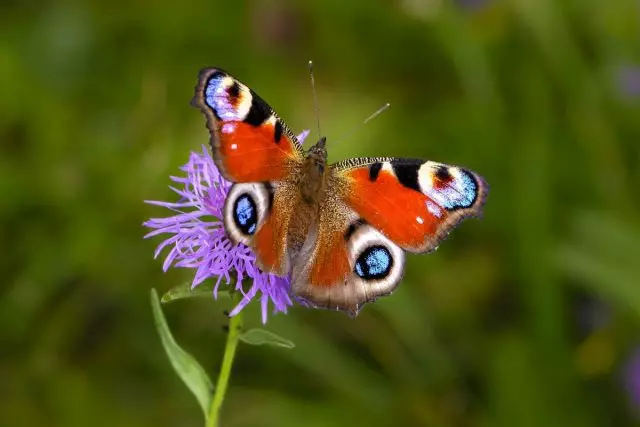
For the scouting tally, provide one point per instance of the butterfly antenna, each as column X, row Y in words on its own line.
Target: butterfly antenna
column 315, row 98
column 377, row 112
column 367, row 120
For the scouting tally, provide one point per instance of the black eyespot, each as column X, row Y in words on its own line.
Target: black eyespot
column 234, row 90
column 443, row 174
column 374, row 262
column 245, row 214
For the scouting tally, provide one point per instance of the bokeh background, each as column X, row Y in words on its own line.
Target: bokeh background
column 528, row 317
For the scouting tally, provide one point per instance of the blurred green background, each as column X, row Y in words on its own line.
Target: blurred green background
column 526, row 318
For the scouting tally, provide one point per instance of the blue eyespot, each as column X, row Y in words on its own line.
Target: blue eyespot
column 223, row 98
column 453, row 192
column 374, row 263
column 245, row 214
column 467, row 192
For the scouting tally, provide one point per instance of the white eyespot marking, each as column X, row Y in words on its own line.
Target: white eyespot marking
column 419, row 220
column 234, row 146
column 244, row 211
column 434, row 209
column 377, row 262
column 229, row 99
column 271, row 120
column 228, row 128
column 386, row 166
column 449, row 186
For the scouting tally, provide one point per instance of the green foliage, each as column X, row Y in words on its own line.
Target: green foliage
column 187, row 368
column 184, row 290
column 496, row 328
column 258, row 336
column 603, row 254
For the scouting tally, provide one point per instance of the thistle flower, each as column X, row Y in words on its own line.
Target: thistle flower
column 197, row 238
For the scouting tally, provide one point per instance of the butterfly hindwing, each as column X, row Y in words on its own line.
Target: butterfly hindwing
column 259, row 215
column 415, row 203
column 250, row 143
column 345, row 262
column 373, row 209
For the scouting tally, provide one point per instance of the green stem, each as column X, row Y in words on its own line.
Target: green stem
column 235, row 328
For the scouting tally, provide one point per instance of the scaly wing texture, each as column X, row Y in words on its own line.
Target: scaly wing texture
column 414, row 203
column 373, row 209
column 250, row 143
column 254, row 148
column 344, row 262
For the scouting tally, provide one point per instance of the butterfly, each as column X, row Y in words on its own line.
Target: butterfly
column 339, row 231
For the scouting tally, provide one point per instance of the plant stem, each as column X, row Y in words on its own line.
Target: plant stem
column 235, row 328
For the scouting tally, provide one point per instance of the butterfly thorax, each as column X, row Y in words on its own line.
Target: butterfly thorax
column 313, row 180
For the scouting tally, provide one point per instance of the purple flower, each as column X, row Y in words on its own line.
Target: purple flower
column 628, row 79
column 198, row 240
column 632, row 378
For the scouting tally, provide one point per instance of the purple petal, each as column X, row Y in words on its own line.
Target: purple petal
column 197, row 239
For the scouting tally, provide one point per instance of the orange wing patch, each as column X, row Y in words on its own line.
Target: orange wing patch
column 331, row 262
column 414, row 203
column 269, row 245
column 249, row 141
column 400, row 213
column 250, row 153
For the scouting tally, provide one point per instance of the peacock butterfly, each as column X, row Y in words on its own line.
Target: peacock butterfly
column 338, row 230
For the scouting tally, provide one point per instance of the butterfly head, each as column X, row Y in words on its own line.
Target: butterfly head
column 317, row 155
column 319, row 148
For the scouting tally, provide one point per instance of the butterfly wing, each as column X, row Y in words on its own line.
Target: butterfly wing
column 250, row 143
column 415, row 203
column 374, row 208
column 344, row 261
column 261, row 215
column 254, row 148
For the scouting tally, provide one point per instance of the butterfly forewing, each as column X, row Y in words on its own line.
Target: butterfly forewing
column 250, row 143
column 415, row 203
column 254, row 148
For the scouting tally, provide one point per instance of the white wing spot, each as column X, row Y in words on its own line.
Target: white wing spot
column 434, row 209
column 228, row 128
column 420, row 220
column 386, row 166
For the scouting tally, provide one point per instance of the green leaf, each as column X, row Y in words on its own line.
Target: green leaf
column 602, row 255
column 185, row 365
column 263, row 337
column 184, row 290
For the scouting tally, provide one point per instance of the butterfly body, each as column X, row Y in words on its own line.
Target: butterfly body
column 339, row 231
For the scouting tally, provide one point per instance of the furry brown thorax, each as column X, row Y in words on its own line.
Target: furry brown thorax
column 313, row 184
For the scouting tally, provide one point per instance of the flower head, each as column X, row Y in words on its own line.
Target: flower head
column 197, row 238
